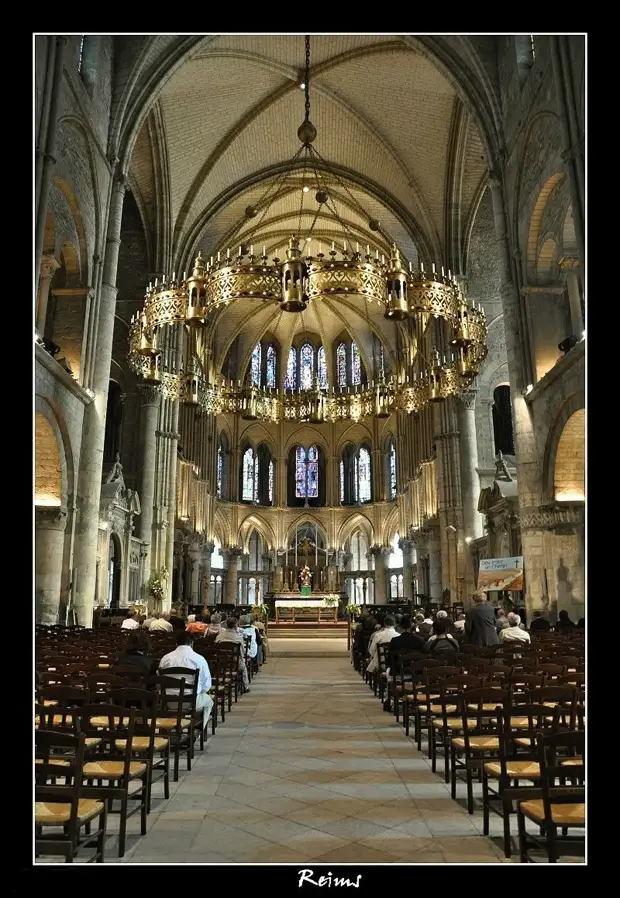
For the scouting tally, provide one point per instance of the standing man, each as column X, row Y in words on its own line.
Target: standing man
column 480, row 627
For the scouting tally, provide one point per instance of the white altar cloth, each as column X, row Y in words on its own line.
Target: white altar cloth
column 301, row 603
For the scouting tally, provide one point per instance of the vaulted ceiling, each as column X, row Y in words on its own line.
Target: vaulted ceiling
column 402, row 145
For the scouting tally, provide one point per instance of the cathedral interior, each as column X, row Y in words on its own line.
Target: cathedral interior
column 461, row 154
column 309, row 320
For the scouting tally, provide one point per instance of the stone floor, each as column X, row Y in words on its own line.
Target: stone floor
column 307, row 647
column 308, row 767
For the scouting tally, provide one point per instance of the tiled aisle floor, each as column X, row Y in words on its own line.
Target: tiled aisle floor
column 309, row 767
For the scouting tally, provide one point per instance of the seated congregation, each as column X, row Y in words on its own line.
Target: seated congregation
column 118, row 709
column 498, row 707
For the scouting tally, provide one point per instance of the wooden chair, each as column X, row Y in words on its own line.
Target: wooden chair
column 113, row 767
column 479, row 741
column 517, row 761
column 426, row 706
column 557, row 808
column 62, row 808
column 191, row 677
column 172, row 720
column 417, row 693
column 445, row 720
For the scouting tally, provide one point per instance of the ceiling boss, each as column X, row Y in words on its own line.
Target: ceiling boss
column 444, row 336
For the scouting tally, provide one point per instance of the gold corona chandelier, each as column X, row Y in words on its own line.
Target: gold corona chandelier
column 439, row 361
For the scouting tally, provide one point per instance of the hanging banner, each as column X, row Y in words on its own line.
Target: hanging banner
column 500, row 573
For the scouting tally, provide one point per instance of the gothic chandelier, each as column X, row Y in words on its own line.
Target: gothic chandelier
column 440, row 362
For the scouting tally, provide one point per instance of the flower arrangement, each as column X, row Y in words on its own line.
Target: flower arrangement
column 331, row 600
column 262, row 611
column 155, row 587
column 353, row 610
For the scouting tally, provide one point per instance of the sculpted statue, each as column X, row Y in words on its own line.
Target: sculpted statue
column 501, row 470
column 116, row 472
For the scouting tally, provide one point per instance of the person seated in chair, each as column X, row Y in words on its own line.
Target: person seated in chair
column 406, row 642
column 230, row 634
column 138, row 652
column 161, row 622
column 539, row 623
column 197, row 626
column 130, row 622
column 185, row 656
column 385, row 634
column 441, row 641
column 513, row 632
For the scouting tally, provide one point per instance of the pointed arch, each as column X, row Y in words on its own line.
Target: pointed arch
column 256, row 523
column 391, row 526
column 355, row 522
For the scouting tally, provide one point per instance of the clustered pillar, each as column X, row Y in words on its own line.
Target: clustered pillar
column 50, row 524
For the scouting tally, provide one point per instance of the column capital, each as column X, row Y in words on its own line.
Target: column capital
column 148, row 395
column 49, row 264
column 381, row 551
column 233, row 552
column 557, row 517
column 50, row 517
column 406, row 544
column 468, row 399
column 568, row 263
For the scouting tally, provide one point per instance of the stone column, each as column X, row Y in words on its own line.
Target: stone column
column 93, row 427
column 48, row 267
column 195, row 554
column 381, row 555
column 149, row 413
column 207, row 551
column 50, row 523
column 574, row 296
column 470, row 481
column 433, row 543
column 409, row 560
column 529, row 478
column 232, row 554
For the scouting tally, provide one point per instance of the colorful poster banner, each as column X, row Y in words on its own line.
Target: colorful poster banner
column 500, row 573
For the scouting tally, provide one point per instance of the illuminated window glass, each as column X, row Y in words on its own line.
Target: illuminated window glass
column 356, row 485
column 290, row 381
column 219, row 470
column 249, row 479
column 341, row 480
column 255, row 365
column 363, row 472
column 313, row 472
column 271, row 365
column 300, row 472
column 271, row 481
column 321, row 364
column 81, row 53
column 392, row 464
column 306, row 365
column 341, row 364
column 356, row 368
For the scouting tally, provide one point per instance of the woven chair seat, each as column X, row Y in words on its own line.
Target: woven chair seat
column 57, row 814
column 111, row 770
column 516, row 770
column 561, row 814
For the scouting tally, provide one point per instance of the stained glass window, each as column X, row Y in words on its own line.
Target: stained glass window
column 300, row 472
column 313, row 472
column 363, row 473
column 306, row 364
column 249, row 479
column 271, row 365
column 392, row 464
column 321, row 364
column 290, row 381
column 356, row 368
column 255, row 365
column 342, row 480
column 270, row 481
column 341, row 364
column 219, row 471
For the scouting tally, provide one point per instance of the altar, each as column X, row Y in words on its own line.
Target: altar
column 296, row 608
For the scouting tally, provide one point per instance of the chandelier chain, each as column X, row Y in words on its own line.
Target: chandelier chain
column 307, row 79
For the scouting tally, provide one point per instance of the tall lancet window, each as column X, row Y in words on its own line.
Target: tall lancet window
column 249, row 492
column 255, row 365
column 271, row 365
column 321, row 363
column 341, row 362
column 306, row 365
column 363, row 475
column 290, row 381
column 356, row 368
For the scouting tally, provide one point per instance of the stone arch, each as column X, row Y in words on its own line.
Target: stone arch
column 49, row 236
column 569, row 238
column 353, row 523
column 262, row 527
column 222, row 528
column 305, row 436
column 48, row 486
column 46, row 411
column 536, row 221
column 300, row 521
column 562, row 443
column 254, row 435
column 80, row 254
column 547, row 257
column 355, row 434
column 391, row 526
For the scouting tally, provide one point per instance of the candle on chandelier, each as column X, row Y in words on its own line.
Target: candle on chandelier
column 333, row 246
column 433, row 266
column 264, row 250
column 357, row 247
column 251, row 249
column 344, row 246
column 367, row 249
column 218, row 255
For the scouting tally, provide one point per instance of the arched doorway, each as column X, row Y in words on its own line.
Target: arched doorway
column 114, row 572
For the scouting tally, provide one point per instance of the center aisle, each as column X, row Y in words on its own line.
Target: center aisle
column 308, row 767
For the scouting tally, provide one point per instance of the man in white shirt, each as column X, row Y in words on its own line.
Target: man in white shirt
column 385, row 634
column 130, row 623
column 161, row 623
column 230, row 634
column 248, row 629
column 185, row 656
column 459, row 623
column 513, row 632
